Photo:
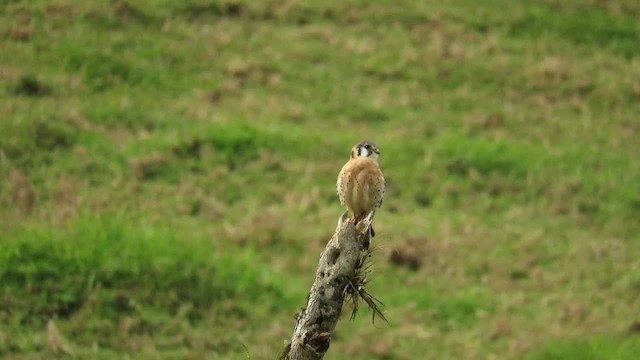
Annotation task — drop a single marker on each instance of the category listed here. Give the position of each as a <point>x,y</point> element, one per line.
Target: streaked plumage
<point>361,183</point>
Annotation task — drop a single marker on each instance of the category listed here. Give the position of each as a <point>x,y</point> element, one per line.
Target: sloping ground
<point>168,173</point>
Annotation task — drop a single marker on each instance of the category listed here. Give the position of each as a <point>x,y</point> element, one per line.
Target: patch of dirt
<point>57,343</point>
<point>228,9</point>
<point>60,10</point>
<point>21,33</point>
<point>635,328</point>
<point>128,12</point>
<point>410,254</point>
<point>405,257</point>
<point>264,228</point>
<point>189,149</point>
<point>66,198</point>
<point>23,193</point>
<point>500,328</point>
<point>54,134</point>
<point>552,68</point>
<point>575,312</point>
<point>148,167</point>
<point>23,27</point>
<point>242,71</point>
<point>29,85</point>
<point>213,96</point>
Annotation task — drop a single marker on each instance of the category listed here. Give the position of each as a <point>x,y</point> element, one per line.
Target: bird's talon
<point>362,227</point>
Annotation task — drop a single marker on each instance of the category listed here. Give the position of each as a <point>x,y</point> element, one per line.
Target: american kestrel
<point>361,184</point>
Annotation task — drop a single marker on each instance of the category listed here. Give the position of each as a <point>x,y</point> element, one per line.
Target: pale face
<point>366,149</point>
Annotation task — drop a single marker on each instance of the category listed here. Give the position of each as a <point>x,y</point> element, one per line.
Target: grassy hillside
<point>167,174</point>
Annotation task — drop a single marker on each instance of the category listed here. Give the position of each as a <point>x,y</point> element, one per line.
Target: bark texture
<point>340,263</point>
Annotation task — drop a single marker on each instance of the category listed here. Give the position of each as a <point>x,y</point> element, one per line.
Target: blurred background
<point>167,175</point>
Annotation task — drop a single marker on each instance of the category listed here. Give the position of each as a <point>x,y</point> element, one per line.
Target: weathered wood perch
<point>340,276</point>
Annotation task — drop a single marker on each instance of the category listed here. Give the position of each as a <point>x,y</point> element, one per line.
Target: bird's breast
<point>361,184</point>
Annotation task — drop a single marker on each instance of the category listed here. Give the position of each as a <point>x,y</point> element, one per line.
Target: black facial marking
<point>366,143</point>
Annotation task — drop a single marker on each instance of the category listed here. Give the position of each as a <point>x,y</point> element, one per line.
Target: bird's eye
<point>366,146</point>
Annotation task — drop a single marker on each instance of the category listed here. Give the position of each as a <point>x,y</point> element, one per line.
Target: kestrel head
<point>365,148</point>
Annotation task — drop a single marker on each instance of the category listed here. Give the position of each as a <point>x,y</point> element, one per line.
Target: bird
<point>361,184</point>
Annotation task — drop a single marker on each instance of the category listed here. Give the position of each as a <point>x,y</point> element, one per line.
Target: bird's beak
<point>377,151</point>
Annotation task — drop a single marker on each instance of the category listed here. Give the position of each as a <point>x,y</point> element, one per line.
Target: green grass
<point>591,348</point>
<point>93,273</point>
<point>167,175</point>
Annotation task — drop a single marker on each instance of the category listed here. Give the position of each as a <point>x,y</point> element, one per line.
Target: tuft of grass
<point>601,347</point>
<point>463,309</point>
<point>486,157</point>
<point>583,26</point>
<point>126,264</point>
<point>31,142</point>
